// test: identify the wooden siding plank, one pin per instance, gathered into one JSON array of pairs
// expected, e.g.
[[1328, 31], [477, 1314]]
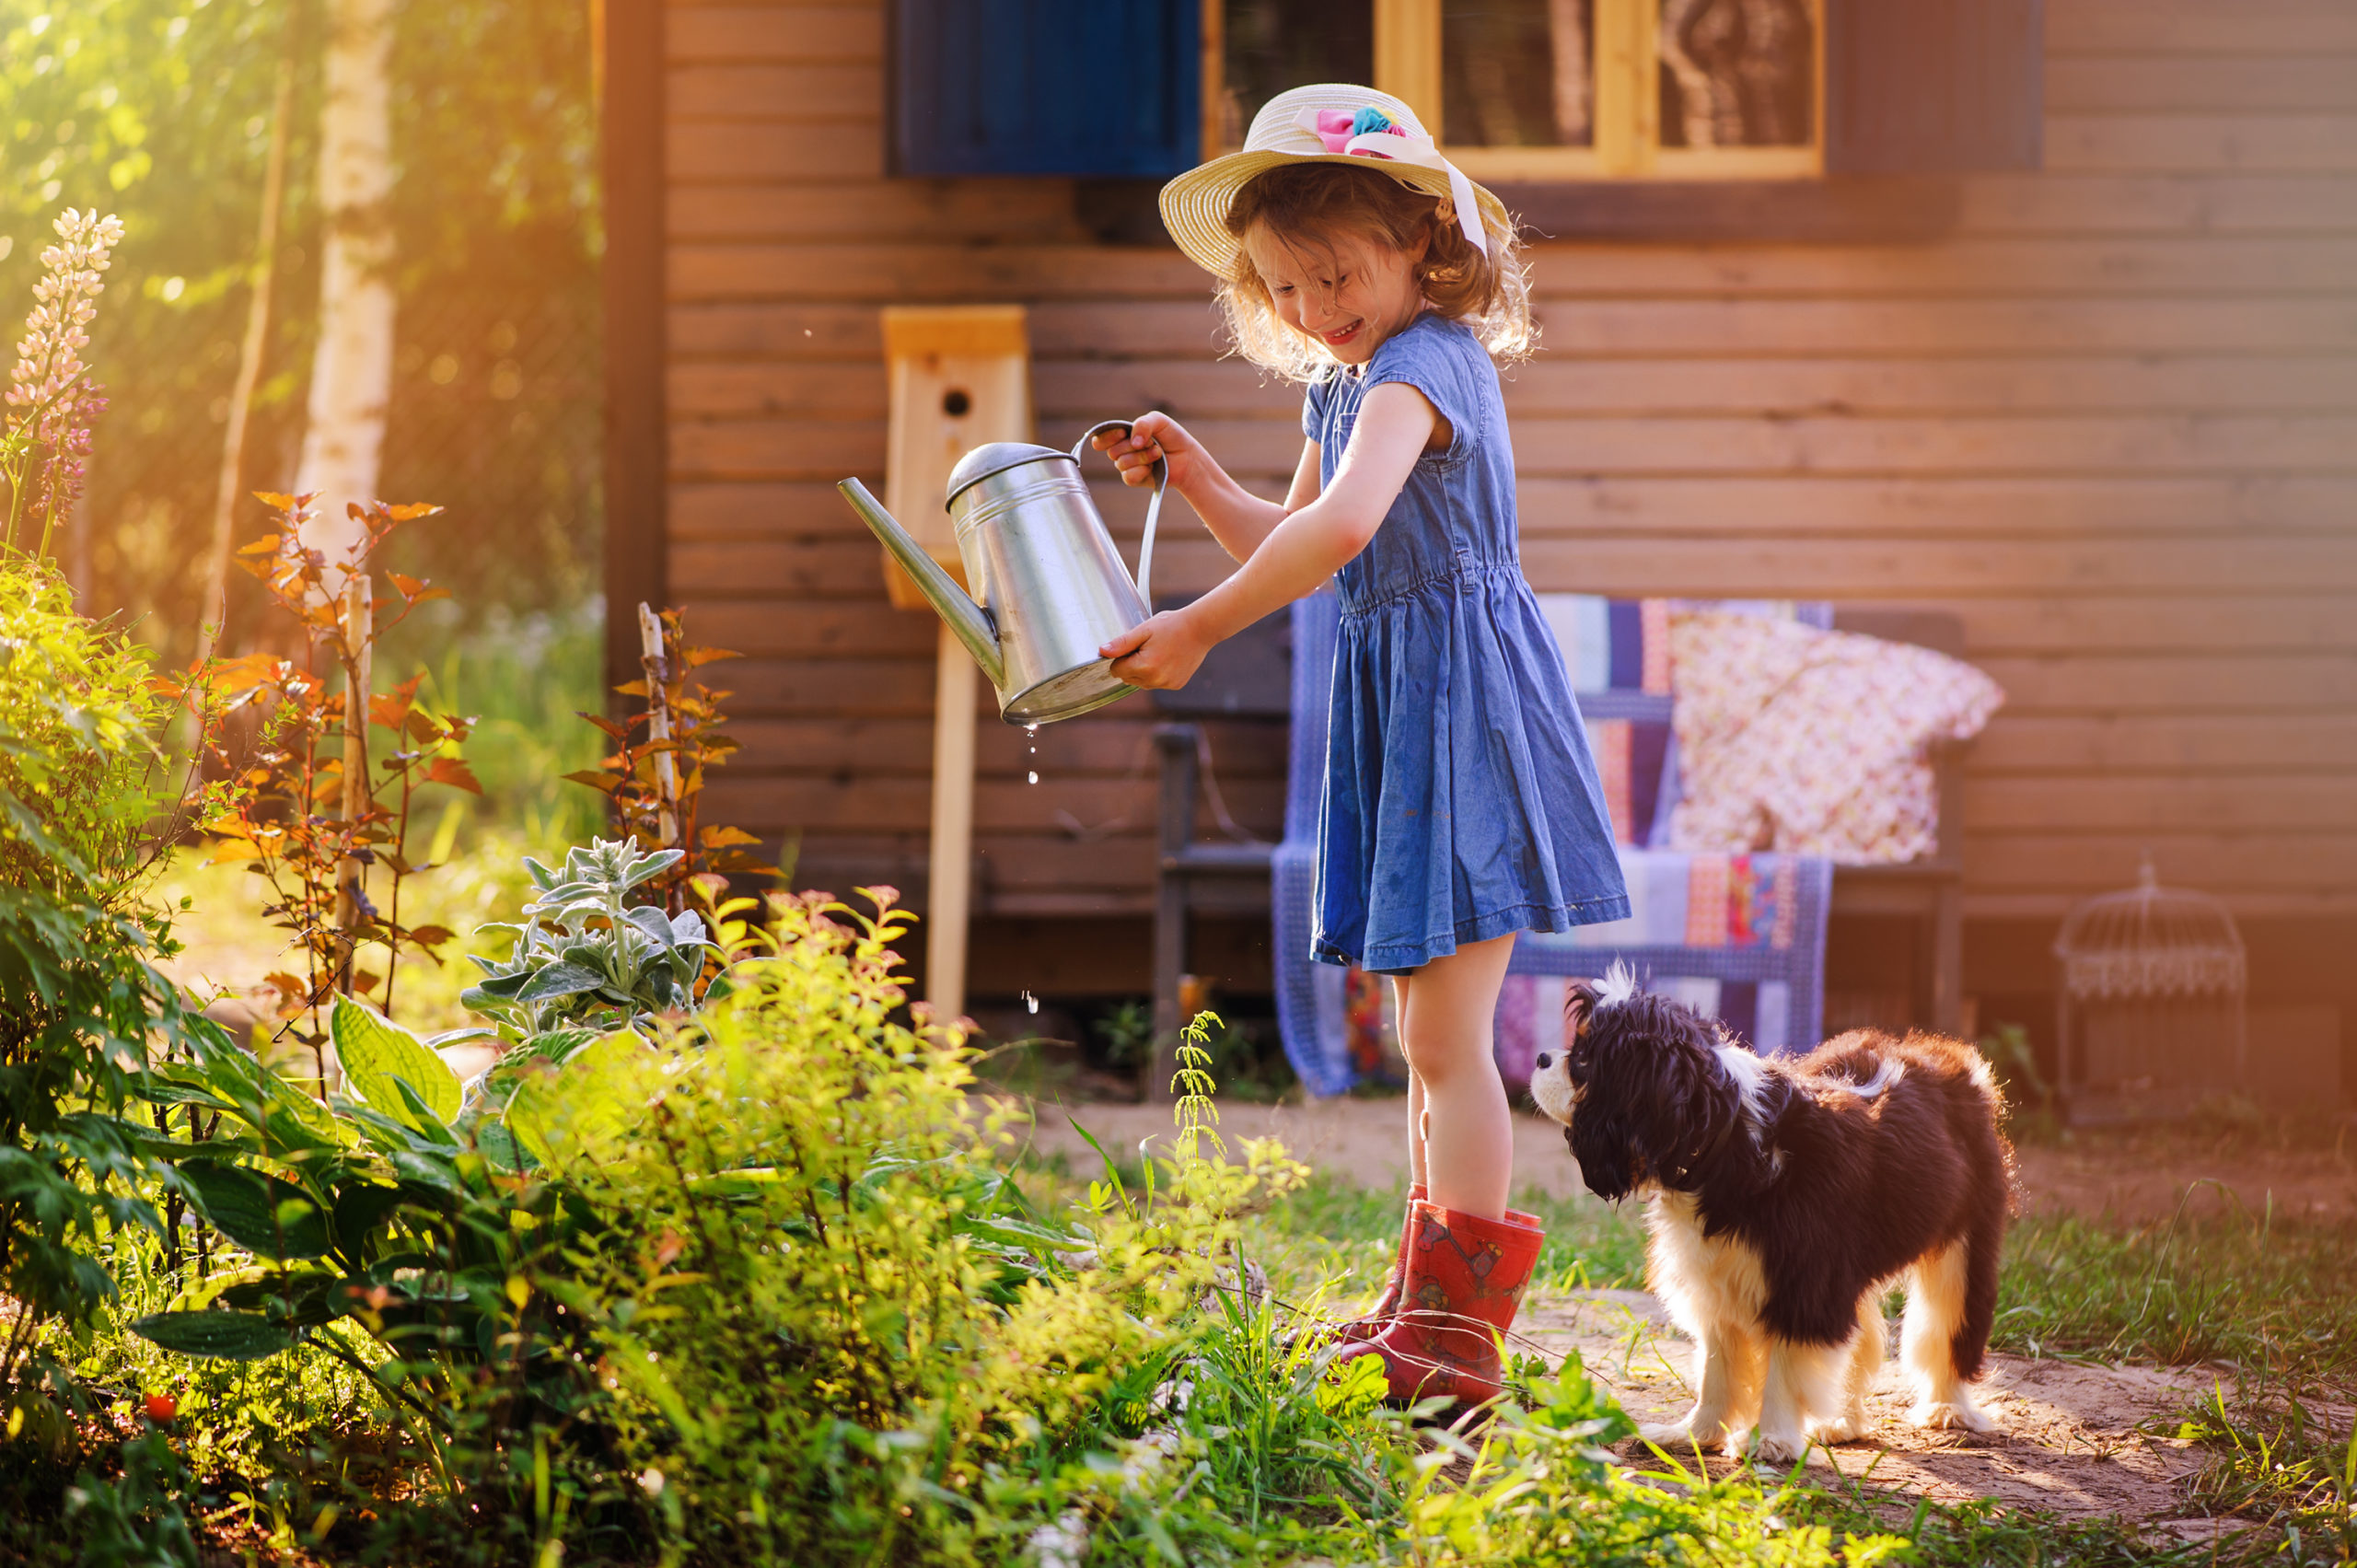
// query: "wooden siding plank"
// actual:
[[2200, 27], [703, 149], [2160, 205], [2078, 83], [2223, 620], [1614, 329], [868, 803], [2041, 444], [881, 209], [733, 90], [916, 269], [1807, 506], [2281, 143], [2085, 861], [1863, 569], [1930, 326], [2326, 806], [2218, 683], [784, 34], [1113, 748], [1636, 385], [2124, 745], [2274, 443]]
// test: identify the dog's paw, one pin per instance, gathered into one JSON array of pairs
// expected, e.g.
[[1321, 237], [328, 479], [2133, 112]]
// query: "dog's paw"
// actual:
[[1780, 1448], [1951, 1415], [1847, 1428], [1670, 1434]]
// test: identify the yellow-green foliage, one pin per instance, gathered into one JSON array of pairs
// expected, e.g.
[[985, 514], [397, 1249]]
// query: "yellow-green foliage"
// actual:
[[827, 1314], [78, 999]]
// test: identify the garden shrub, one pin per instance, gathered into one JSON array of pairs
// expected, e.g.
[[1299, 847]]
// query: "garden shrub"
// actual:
[[80, 779], [835, 1329]]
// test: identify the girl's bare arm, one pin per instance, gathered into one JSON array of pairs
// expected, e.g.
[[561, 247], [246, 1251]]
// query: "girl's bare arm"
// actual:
[[1300, 552], [1236, 517]]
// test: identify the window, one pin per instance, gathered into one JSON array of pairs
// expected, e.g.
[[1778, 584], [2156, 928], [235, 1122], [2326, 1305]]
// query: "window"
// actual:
[[1589, 90]]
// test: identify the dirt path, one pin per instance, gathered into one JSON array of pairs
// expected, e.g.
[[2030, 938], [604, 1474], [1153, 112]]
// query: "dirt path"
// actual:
[[2067, 1439]]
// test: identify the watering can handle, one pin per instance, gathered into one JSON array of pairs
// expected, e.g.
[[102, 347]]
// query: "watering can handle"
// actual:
[[1153, 507]]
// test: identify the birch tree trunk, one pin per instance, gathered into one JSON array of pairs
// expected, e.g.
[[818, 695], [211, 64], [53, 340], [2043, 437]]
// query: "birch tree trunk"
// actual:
[[352, 370]]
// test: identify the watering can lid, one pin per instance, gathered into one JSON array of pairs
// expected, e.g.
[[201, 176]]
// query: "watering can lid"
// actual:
[[996, 456]]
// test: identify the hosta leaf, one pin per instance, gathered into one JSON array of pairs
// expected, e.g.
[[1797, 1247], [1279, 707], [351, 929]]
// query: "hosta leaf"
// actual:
[[221, 1336], [379, 1055], [268, 1217], [559, 980]]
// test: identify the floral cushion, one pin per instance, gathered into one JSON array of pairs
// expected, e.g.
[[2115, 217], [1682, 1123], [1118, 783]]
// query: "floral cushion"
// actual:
[[1812, 743]]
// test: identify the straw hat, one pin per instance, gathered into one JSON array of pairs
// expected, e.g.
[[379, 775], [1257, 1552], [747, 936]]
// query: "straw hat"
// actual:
[[1330, 123]]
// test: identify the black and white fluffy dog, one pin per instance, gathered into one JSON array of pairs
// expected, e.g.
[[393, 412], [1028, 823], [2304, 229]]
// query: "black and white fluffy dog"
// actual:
[[1784, 1198]]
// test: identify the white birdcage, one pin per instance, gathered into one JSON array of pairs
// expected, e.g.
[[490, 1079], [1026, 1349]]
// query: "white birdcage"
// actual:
[[2151, 1003]]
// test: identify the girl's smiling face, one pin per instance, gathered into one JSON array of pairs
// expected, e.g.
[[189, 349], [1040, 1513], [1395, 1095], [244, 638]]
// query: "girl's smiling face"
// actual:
[[1349, 294]]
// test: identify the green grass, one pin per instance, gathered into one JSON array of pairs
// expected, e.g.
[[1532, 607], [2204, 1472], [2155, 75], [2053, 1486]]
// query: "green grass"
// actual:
[[2279, 1300]]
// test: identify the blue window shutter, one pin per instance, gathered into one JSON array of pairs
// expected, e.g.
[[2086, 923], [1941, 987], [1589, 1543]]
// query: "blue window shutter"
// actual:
[[1933, 87], [1103, 88]]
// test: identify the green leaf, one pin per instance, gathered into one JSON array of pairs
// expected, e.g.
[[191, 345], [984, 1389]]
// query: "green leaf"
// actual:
[[422, 1117], [220, 1336], [652, 867], [268, 1217], [378, 1056], [559, 980], [576, 1110]]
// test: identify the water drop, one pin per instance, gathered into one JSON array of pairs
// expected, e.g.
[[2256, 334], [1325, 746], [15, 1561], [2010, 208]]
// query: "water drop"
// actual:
[[1032, 777], [1030, 1002]]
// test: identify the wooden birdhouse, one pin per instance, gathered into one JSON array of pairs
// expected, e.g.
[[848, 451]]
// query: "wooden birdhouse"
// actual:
[[959, 375]]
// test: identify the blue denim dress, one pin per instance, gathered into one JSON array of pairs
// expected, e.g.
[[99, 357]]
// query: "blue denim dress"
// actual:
[[1461, 799]]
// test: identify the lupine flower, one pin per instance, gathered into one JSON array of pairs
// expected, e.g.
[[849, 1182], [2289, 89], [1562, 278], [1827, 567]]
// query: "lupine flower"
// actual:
[[47, 380], [64, 301]]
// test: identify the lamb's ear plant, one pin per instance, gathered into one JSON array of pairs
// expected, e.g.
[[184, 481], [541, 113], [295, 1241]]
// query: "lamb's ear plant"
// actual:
[[587, 960]]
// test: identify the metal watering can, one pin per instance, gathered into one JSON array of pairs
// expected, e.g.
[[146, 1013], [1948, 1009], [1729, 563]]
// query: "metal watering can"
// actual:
[[1051, 585]]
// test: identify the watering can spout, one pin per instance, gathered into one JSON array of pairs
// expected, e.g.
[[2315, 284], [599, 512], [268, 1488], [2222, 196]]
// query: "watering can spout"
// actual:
[[968, 620]]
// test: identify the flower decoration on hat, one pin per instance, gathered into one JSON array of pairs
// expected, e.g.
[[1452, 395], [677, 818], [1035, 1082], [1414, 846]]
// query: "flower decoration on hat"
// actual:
[[1370, 133], [1338, 127]]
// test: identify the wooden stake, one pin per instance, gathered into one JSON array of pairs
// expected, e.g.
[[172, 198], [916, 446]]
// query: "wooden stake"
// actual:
[[658, 718], [950, 899], [351, 874]]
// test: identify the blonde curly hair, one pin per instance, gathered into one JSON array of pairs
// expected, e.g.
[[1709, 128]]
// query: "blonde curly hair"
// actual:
[[1327, 203]]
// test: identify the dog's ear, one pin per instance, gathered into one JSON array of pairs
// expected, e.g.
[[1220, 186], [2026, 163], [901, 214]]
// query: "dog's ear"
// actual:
[[1579, 1007], [1602, 1142], [1607, 1064], [1692, 1107]]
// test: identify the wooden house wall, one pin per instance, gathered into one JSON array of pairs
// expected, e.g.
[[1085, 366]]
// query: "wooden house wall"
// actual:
[[2110, 420]]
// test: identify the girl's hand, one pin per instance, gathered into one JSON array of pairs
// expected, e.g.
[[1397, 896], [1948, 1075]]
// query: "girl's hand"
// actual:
[[1161, 655], [1154, 435]]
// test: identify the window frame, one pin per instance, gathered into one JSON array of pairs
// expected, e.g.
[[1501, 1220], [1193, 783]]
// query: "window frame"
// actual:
[[1627, 71]]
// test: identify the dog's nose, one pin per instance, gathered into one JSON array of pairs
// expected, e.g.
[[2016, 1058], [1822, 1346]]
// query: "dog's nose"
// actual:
[[1542, 1060]]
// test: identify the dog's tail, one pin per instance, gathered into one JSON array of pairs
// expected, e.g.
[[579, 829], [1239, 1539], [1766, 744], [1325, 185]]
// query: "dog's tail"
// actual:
[[1984, 1247]]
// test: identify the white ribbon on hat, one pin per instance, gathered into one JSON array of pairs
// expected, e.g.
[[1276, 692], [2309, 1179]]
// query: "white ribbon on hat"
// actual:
[[1407, 146]]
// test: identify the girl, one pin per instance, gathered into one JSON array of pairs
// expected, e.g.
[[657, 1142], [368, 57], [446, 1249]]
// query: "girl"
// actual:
[[1461, 803]]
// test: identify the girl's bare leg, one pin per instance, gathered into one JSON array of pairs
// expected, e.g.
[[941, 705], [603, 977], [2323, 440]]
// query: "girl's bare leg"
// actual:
[[1415, 1096], [1460, 1133]]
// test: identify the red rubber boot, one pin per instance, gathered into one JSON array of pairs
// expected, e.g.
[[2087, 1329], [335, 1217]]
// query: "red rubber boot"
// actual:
[[1464, 1279], [1386, 1305]]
